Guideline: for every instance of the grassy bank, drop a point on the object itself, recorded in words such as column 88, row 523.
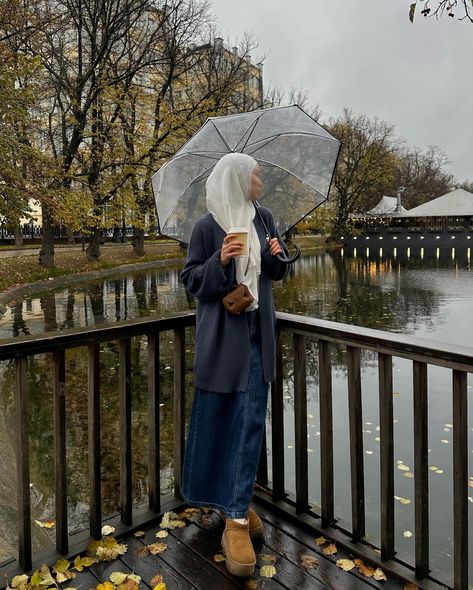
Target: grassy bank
column 21, row 270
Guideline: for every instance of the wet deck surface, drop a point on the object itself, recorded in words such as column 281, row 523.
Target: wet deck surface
column 188, row 561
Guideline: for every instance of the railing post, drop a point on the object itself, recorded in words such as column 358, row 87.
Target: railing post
column 154, row 389
column 356, row 443
column 421, row 473
column 23, row 464
column 300, row 423
column 460, row 480
column 60, row 471
column 126, row 471
column 95, row 496
column 277, row 423
column 326, row 432
column 386, row 425
column 179, row 406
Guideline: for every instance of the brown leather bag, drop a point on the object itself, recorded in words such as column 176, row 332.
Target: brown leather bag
column 239, row 298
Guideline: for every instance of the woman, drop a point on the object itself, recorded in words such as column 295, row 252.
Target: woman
column 234, row 354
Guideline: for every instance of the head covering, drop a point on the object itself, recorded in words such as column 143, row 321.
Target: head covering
column 228, row 200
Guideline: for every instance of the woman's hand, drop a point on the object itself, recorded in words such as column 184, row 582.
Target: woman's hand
column 275, row 247
column 230, row 248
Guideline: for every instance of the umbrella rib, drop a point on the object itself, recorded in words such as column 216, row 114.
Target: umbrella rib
column 254, row 123
column 221, row 137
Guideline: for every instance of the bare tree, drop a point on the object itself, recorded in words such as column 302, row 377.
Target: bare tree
column 442, row 6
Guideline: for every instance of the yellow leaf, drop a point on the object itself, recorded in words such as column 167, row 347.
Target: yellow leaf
column 160, row 586
column 118, row 578
column 345, row 564
column 330, row 549
column 106, row 586
column 156, row 548
column 379, row 575
column 219, row 557
column 268, row 558
column 61, row 566
column 162, row 534
column 411, row 586
column 268, row 571
column 19, row 581
column 155, row 580
column 139, row 534
column 108, row 530
column 46, row 524
column 81, row 562
column 403, row 467
column 408, row 474
column 407, row 533
column 320, row 540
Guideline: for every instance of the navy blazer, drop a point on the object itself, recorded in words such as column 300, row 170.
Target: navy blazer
column 222, row 340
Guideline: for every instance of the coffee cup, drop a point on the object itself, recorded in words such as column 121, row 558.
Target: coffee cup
column 241, row 236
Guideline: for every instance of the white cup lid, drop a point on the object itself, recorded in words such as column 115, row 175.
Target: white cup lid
column 237, row 229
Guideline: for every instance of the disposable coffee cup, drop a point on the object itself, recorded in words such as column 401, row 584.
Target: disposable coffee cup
column 242, row 236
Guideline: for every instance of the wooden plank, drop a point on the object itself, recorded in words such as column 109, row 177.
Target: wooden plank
column 326, row 432
column 204, row 536
column 190, row 566
column 277, row 423
column 126, row 470
column 421, row 473
column 95, row 494
column 356, row 443
column 460, row 480
column 148, row 566
column 60, row 472
column 179, row 406
column 300, row 423
column 23, row 463
column 386, row 426
column 154, row 393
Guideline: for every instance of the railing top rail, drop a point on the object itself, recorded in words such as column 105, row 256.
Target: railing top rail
column 73, row 337
column 453, row 356
column 401, row 345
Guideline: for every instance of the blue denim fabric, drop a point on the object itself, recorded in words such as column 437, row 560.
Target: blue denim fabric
column 225, row 438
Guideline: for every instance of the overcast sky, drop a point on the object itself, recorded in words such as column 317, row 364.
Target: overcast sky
column 368, row 56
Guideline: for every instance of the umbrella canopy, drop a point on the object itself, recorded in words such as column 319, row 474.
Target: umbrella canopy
column 297, row 157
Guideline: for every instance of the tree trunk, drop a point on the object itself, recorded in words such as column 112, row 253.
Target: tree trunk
column 46, row 254
column 139, row 241
column 93, row 249
column 70, row 235
column 18, row 236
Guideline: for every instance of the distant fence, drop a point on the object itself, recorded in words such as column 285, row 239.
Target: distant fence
column 30, row 231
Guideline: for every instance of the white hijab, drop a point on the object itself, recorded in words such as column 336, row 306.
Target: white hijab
column 228, row 200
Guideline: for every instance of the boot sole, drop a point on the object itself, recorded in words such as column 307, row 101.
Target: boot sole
column 234, row 567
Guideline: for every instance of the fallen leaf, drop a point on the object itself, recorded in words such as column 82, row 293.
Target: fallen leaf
column 142, row 551
column 411, row 586
column 81, row 562
column 345, row 564
column 155, row 580
column 364, row 569
column 308, row 561
column 379, row 575
column 268, row 558
column 219, row 557
column 156, row 548
column 171, row 520
column 108, row 530
column 106, row 586
column 407, row 533
column 408, row 474
column 330, row 549
column 320, row 540
column 139, row 534
column 403, row 467
column 268, row 571
column 162, row 534
column 46, row 524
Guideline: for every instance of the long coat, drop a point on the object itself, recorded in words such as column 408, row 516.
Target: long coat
column 222, row 340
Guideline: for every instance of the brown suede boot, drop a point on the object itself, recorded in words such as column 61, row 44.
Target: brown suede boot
column 240, row 558
column 255, row 524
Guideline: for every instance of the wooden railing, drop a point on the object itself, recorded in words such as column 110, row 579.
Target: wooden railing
column 355, row 339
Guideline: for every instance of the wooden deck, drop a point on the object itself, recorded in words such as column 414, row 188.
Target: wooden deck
column 188, row 562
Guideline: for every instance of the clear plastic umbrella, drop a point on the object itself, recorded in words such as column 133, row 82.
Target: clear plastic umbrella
column 297, row 157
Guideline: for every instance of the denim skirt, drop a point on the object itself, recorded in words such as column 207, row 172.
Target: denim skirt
column 224, row 439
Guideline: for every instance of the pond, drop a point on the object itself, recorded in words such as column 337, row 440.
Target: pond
column 417, row 293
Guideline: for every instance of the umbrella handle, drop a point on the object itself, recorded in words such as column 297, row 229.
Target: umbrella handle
column 291, row 259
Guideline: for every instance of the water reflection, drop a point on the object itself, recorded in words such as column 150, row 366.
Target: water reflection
column 422, row 291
